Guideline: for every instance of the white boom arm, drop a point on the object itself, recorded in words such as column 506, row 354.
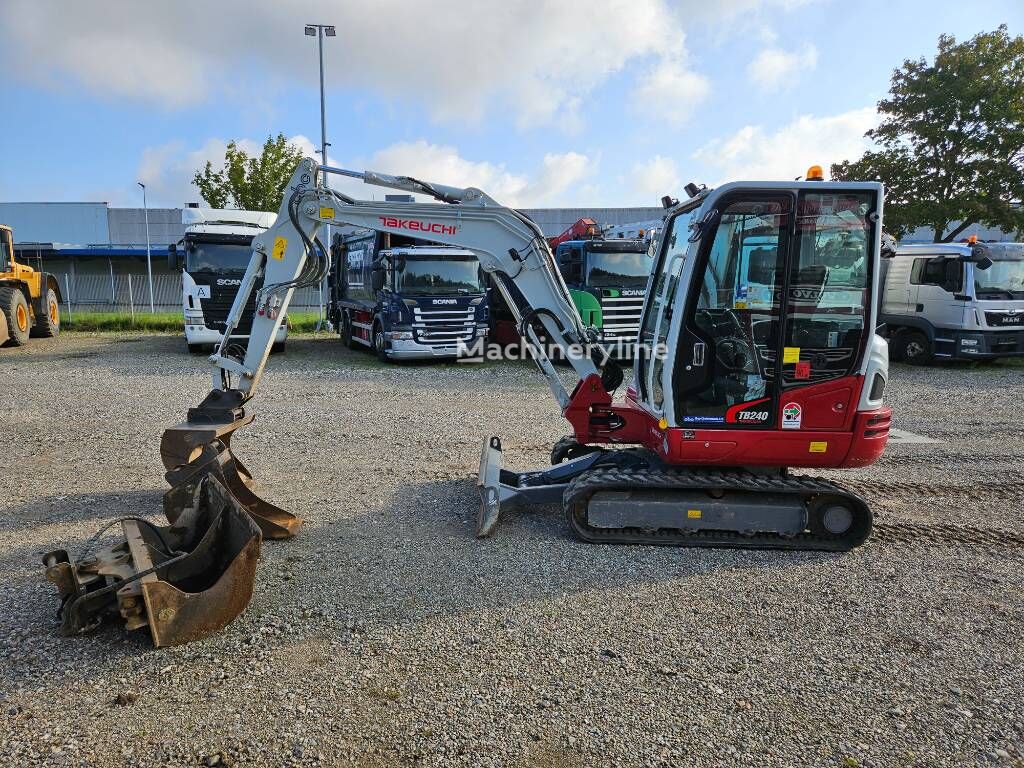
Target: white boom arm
column 508, row 245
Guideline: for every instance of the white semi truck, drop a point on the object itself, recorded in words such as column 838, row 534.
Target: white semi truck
column 213, row 256
column 954, row 301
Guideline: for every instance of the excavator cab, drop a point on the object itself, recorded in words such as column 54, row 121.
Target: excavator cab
column 754, row 306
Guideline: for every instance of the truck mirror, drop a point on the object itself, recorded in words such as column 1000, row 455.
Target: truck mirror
column 983, row 263
column 377, row 279
column 172, row 257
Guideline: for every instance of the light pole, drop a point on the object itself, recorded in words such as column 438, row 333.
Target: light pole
column 318, row 31
column 149, row 254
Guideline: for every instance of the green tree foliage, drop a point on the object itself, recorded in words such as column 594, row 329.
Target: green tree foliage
column 950, row 147
column 250, row 183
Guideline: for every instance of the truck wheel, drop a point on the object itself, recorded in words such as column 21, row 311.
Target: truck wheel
column 47, row 316
column 380, row 345
column 915, row 348
column 15, row 309
column 346, row 333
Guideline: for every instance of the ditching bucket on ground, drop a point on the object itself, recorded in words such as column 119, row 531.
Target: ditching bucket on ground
column 184, row 581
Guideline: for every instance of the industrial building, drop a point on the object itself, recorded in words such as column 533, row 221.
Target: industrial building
column 98, row 252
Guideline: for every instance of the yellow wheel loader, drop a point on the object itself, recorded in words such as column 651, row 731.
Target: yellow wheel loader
column 29, row 299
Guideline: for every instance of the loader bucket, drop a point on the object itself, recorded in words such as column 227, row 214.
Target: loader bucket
column 193, row 451
column 184, row 581
column 5, row 334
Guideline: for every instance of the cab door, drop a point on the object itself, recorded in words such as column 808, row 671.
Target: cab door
column 726, row 371
column 939, row 282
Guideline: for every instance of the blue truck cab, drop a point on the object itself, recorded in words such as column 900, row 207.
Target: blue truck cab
column 405, row 299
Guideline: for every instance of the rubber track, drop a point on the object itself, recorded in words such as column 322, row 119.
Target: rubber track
column 579, row 492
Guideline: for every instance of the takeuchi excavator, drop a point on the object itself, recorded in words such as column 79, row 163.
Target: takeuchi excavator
column 757, row 354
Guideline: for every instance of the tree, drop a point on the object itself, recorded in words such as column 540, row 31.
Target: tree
column 951, row 141
column 250, row 183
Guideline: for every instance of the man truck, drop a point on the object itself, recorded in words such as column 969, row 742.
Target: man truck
column 954, row 301
column 406, row 299
column 212, row 257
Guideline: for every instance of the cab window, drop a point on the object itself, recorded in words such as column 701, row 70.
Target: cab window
column 829, row 281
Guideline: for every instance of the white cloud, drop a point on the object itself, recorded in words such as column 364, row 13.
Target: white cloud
column 670, row 91
column 533, row 61
column 167, row 171
column 774, row 68
column 655, row 177
column 753, row 153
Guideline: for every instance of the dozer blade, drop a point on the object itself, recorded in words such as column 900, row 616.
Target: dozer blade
column 193, row 451
column 184, row 581
column 488, row 482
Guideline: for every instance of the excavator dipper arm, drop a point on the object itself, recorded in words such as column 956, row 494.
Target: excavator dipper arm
column 508, row 245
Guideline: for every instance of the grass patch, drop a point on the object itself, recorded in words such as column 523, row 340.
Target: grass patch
column 159, row 322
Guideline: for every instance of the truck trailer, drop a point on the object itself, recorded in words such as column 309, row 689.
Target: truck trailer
column 406, row 299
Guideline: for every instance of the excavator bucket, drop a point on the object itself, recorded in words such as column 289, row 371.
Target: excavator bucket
column 184, row 581
column 192, row 451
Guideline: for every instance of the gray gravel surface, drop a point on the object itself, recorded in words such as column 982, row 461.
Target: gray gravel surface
column 385, row 634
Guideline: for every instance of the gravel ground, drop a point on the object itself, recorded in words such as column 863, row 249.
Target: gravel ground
column 385, row 634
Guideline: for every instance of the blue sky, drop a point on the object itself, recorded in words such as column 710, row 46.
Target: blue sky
column 606, row 102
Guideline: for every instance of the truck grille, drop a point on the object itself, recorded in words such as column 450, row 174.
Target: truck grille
column 216, row 309
column 621, row 315
column 1005, row 319
column 444, row 327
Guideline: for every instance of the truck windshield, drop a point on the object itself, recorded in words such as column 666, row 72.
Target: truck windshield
column 618, row 269
column 217, row 257
column 1003, row 280
column 440, row 278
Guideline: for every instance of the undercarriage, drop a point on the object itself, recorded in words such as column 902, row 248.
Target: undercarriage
column 629, row 496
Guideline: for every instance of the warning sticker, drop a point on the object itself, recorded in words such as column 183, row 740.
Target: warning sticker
column 791, row 354
column 803, row 370
column 280, row 244
column 819, row 448
column 693, row 514
column 326, row 213
column 792, row 415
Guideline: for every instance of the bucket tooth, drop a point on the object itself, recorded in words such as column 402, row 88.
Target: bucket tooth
column 184, row 581
column 191, row 451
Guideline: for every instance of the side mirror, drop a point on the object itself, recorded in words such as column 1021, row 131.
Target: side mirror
column 172, row 258
column 983, row 263
column 377, row 279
